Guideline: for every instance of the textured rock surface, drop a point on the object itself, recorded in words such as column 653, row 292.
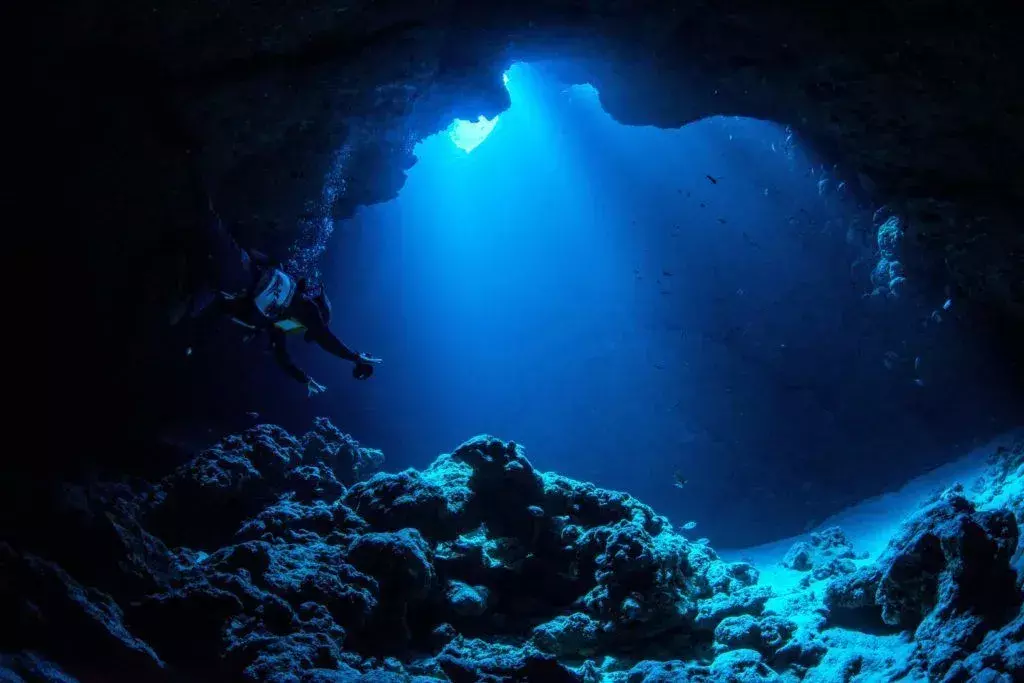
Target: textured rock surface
column 561, row 581
column 921, row 115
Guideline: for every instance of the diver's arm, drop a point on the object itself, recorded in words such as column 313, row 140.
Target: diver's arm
column 325, row 339
column 278, row 342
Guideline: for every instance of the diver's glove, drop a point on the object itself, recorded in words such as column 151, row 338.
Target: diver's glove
column 364, row 366
column 314, row 387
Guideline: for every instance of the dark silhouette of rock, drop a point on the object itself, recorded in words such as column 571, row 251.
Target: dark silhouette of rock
column 415, row 576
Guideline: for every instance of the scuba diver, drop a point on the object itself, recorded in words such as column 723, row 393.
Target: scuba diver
column 256, row 293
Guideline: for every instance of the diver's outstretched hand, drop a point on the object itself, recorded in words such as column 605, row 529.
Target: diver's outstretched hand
column 364, row 366
column 314, row 387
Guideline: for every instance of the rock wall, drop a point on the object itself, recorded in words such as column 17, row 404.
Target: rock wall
column 916, row 102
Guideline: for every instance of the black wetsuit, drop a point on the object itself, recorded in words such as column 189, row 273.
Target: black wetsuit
column 230, row 282
column 303, row 309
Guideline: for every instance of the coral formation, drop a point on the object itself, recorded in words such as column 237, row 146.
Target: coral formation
column 888, row 275
column 274, row 558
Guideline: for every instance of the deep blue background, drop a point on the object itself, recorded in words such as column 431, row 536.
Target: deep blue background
column 582, row 288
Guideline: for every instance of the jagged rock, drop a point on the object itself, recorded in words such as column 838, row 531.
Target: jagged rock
column 802, row 652
column 91, row 530
column 506, row 490
column 28, row 667
column 575, row 635
column 799, row 557
column 660, row 672
column 946, row 574
column 292, row 521
column 949, row 556
column 441, row 635
column 305, row 586
column 890, row 238
column 999, row 658
column 391, row 502
column 43, row 606
column 466, row 600
column 300, row 573
column 742, row 666
column 470, row 661
column 854, row 590
column 765, row 634
column 402, row 564
column 639, row 578
column 205, row 501
column 834, row 567
column 852, row 656
column 313, row 482
column 239, row 477
column 263, row 654
column 339, row 453
column 1002, row 486
column 750, row 600
column 586, row 505
column 205, row 607
column 827, row 554
column 728, row 577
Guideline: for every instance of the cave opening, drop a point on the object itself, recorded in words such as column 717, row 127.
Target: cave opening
column 648, row 293
column 632, row 302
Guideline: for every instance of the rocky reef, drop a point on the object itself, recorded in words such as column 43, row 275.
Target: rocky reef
column 269, row 557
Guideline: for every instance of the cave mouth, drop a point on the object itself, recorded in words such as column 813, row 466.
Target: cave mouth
column 630, row 301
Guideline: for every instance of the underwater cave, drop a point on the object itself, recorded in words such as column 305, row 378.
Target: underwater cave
column 736, row 289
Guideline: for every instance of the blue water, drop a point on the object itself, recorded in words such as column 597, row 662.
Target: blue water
column 585, row 289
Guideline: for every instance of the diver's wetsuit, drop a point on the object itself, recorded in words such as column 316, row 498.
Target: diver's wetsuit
column 230, row 277
column 302, row 309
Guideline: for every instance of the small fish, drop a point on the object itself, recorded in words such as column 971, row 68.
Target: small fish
column 689, row 526
column 666, row 273
column 917, row 363
column 766, row 192
column 703, row 541
column 702, row 205
column 713, row 179
column 252, row 415
column 936, row 317
column 948, row 305
column 188, row 351
column 919, row 382
column 680, row 480
column 721, row 220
